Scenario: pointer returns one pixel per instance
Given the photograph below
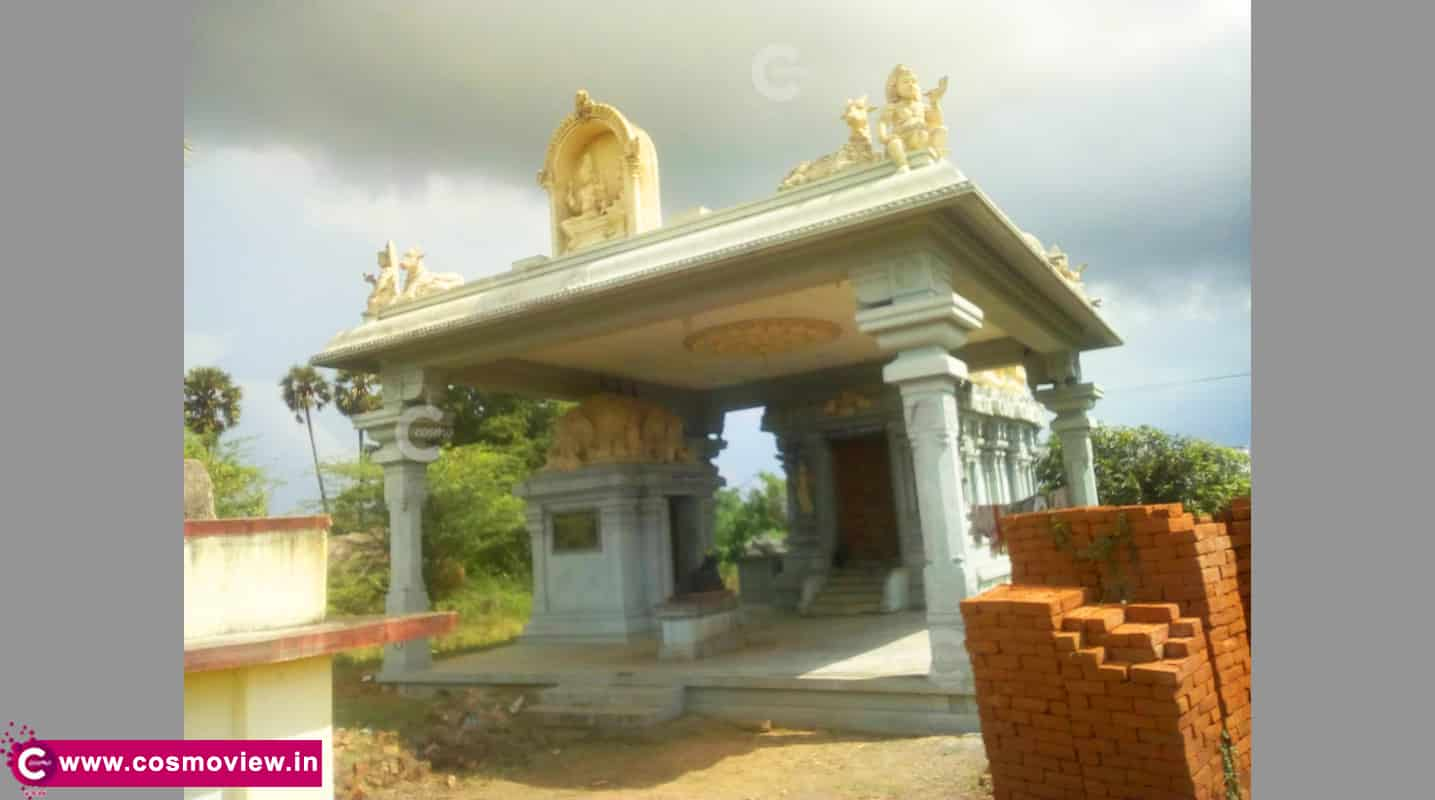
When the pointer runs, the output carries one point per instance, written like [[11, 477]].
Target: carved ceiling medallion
[[762, 337]]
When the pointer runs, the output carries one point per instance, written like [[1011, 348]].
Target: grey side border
[[91, 571], [1341, 461]]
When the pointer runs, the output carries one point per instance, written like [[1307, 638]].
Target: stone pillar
[[971, 458], [538, 542], [658, 549], [818, 452], [987, 458], [1014, 459], [1033, 454], [1070, 402], [704, 440], [803, 544], [407, 428], [995, 452], [923, 331], [909, 530]]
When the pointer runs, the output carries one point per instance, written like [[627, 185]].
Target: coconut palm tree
[[211, 402], [305, 390], [356, 393]]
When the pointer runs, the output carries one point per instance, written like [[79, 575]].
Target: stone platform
[[850, 673]]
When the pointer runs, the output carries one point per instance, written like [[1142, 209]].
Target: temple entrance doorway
[[866, 506]]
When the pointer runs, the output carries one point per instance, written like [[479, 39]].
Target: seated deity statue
[[907, 124], [594, 216], [386, 283], [587, 196]]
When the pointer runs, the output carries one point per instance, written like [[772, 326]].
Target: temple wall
[[999, 441], [247, 575], [289, 700], [610, 542]]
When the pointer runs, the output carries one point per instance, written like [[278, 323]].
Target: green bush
[[240, 489], [472, 516], [762, 513], [473, 525], [1146, 465]]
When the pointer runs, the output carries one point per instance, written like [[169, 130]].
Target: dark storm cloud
[[1120, 131]]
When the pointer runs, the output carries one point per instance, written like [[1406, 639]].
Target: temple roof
[[636, 308]]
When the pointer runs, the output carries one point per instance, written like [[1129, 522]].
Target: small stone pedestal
[[699, 625], [610, 542]]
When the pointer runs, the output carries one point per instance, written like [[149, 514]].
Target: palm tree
[[211, 402], [356, 393], [304, 389]]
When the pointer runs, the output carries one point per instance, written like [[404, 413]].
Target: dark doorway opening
[[866, 507]]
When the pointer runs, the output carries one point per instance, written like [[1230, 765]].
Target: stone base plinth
[[699, 625], [610, 542]]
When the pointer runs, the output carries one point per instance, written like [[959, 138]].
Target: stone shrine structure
[[904, 336]]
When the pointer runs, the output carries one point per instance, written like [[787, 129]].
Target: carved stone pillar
[[994, 453], [923, 331], [899, 448], [537, 539], [803, 543], [818, 452], [1033, 449], [407, 428], [1070, 402], [1014, 460], [971, 459]]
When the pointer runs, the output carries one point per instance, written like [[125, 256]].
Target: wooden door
[[866, 508]]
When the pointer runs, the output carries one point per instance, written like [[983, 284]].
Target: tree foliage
[[472, 525], [472, 516], [211, 401], [304, 391], [240, 489], [761, 513], [506, 421], [356, 393], [1147, 465]]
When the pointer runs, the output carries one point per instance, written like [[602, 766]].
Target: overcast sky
[[1119, 130]]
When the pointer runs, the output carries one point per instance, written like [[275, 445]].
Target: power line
[[1207, 379]]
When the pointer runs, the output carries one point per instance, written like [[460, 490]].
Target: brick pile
[[1238, 527], [1084, 700], [1173, 571]]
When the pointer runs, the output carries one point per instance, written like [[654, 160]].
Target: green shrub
[[1146, 465], [762, 513], [240, 489]]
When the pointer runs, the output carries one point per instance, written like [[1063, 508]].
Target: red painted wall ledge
[[237, 525], [233, 651]]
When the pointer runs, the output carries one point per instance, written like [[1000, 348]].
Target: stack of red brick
[[1170, 666], [1238, 527], [1092, 700]]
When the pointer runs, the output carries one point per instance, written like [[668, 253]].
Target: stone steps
[[849, 593], [607, 706]]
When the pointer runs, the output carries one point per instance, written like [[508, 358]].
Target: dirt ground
[[471, 744]]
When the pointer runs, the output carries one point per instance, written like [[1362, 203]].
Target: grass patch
[[491, 611]]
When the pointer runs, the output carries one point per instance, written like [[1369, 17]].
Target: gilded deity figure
[[386, 283], [587, 196], [908, 124]]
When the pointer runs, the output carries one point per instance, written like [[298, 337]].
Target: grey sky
[[1120, 131]]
